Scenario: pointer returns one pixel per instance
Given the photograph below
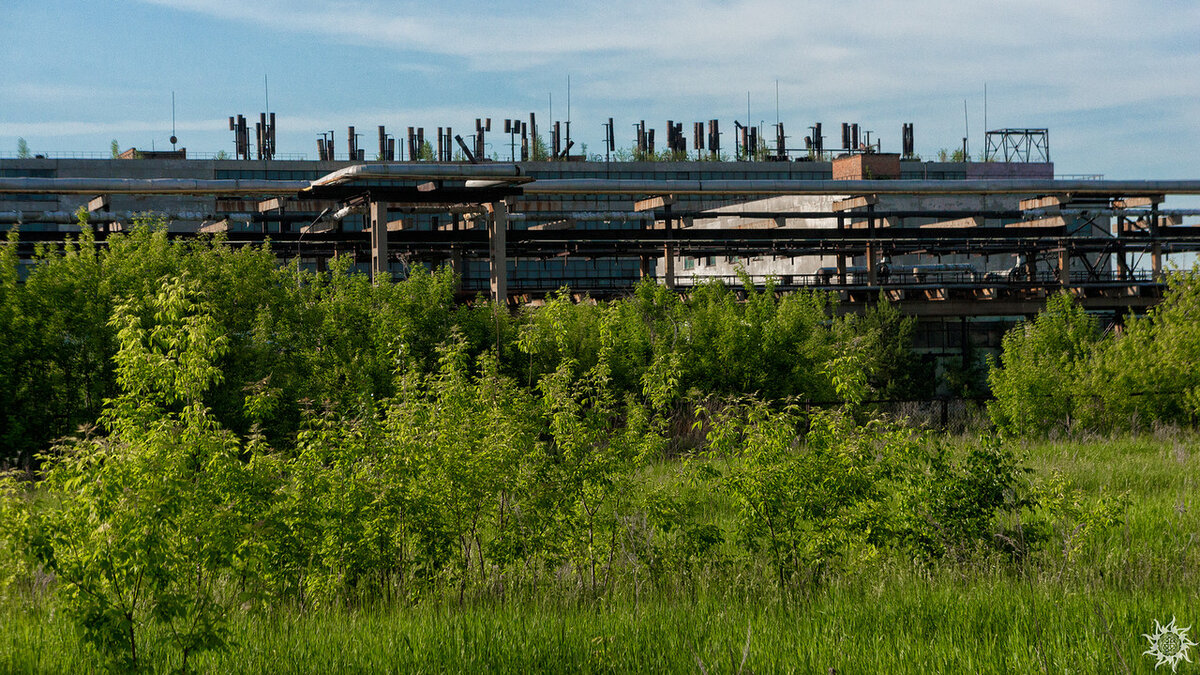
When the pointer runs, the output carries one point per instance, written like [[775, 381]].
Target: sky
[[1116, 83]]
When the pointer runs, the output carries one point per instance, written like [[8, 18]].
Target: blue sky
[[1117, 83]]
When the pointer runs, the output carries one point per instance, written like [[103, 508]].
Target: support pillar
[[1064, 266], [841, 257], [498, 250], [1118, 231], [456, 259], [456, 266], [669, 253], [872, 248], [379, 242], [1155, 248]]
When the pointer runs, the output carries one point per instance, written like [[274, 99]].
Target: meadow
[[224, 465]]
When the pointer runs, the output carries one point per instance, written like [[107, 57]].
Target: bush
[[1035, 380]]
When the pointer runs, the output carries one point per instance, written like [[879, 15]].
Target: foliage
[[270, 437], [953, 503], [809, 501], [1059, 372], [539, 152], [145, 520], [1033, 382]]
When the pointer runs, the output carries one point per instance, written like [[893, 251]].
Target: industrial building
[[953, 242]]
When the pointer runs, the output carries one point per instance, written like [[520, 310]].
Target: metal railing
[[87, 154], [858, 281]]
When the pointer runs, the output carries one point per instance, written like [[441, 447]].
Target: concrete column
[[498, 250], [379, 242], [1155, 248], [456, 266], [1122, 264], [841, 258], [1118, 231], [1064, 266], [456, 259], [669, 254], [872, 248]]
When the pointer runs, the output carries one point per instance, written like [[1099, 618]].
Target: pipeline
[[150, 186], [561, 186], [496, 172], [70, 217]]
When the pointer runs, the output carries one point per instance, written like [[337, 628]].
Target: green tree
[[145, 521], [58, 345], [812, 500], [1035, 379], [539, 152]]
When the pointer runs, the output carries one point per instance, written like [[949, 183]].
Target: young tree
[[144, 522], [1035, 379]]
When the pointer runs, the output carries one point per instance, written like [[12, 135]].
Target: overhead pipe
[[423, 171], [853, 187], [584, 215], [149, 186], [511, 173], [72, 217]]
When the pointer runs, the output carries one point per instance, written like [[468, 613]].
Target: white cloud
[[67, 128], [877, 62], [857, 50]]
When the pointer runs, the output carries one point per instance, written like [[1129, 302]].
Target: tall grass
[[1064, 609], [899, 624]]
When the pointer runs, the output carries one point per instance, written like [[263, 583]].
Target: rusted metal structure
[[1065, 232]]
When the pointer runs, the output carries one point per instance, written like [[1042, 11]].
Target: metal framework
[[1087, 221], [1018, 145]]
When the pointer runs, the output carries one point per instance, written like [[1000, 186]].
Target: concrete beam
[[960, 222], [213, 228], [1043, 202], [1136, 202], [855, 202], [1053, 221], [651, 203], [272, 204]]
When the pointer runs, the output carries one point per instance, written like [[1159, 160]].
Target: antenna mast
[[173, 138]]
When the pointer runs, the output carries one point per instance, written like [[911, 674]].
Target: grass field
[[1078, 607]]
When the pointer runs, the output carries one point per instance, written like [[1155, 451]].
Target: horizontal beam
[[421, 172], [511, 175], [150, 186], [651, 203], [855, 203], [1107, 188]]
